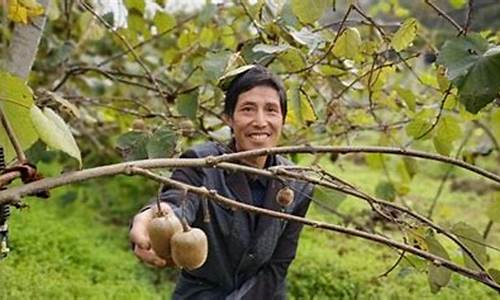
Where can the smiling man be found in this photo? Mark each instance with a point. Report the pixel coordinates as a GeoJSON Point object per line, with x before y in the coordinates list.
{"type": "Point", "coordinates": [248, 254]}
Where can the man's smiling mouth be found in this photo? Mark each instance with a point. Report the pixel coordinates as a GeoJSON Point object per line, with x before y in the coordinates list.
{"type": "Point", "coordinates": [258, 136]}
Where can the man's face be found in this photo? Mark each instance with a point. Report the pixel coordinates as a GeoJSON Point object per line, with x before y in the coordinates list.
{"type": "Point", "coordinates": [257, 119]}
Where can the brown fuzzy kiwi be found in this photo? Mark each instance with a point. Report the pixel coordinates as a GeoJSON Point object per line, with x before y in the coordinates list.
{"type": "Point", "coordinates": [138, 125]}
{"type": "Point", "coordinates": [285, 196]}
{"type": "Point", "coordinates": [186, 127]}
{"type": "Point", "coordinates": [189, 247]}
{"type": "Point", "coordinates": [161, 229]}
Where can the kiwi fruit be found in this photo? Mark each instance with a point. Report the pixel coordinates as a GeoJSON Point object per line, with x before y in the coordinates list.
{"type": "Point", "coordinates": [138, 125]}
{"type": "Point", "coordinates": [285, 196]}
{"type": "Point", "coordinates": [189, 247]}
{"type": "Point", "coordinates": [186, 127]}
{"type": "Point", "coordinates": [161, 229]}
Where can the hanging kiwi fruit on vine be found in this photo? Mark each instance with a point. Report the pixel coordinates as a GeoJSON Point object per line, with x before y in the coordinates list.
{"type": "Point", "coordinates": [161, 229]}
{"type": "Point", "coordinates": [285, 196]}
{"type": "Point", "coordinates": [189, 247]}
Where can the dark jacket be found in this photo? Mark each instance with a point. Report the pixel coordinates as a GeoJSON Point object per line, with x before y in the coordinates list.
{"type": "Point", "coordinates": [248, 254]}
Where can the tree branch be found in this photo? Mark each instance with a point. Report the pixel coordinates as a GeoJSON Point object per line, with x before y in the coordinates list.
{"type": "Point", "coordinates": [213, 195]}
{"type": "Point", "coordinates": [12, 138]}
{"type": "Point", "coordinates": [443, 14]}
{"type": "Point", "coordinates": [216, 161]}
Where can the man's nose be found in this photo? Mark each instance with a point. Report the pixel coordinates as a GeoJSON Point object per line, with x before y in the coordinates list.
{"type": "Point", "coordinates": [260, 118]}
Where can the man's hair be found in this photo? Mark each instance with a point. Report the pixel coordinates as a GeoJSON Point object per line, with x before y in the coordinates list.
{"type": "Point", "coordinates": [256, 76]}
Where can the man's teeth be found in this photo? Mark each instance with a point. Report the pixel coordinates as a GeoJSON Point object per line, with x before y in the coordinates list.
{"type": "Point", "coordinates": [259, 136]}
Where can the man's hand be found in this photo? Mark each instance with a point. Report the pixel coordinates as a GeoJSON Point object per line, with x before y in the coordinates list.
{"type": "Point", "coordinates": [140, 238]}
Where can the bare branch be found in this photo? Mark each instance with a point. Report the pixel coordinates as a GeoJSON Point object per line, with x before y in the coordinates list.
{"type": "Point", "coordinates": [443, 14]}
{"type": "Point", "coordinates": [213, 195]}
{"type": "Point", "coordinates": [12, 138]}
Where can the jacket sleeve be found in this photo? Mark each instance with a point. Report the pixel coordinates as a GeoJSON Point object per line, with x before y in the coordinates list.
{"type": "Point", "coordinates": [192, 176]}
{"type": "Point", "coordinates": [272, 276]}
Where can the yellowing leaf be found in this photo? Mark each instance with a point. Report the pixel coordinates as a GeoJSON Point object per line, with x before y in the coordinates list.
{"type": "Point", "coordinates": [308, 11]}
{"type": "Point", "coordinates": [164, 21]}
{"type": "Point", "coordinates": [447, 131]}
{"type": "Point", "coordinates": [493, 208]}
{"type": "Point", "coordinates": [22, 11]}
{"type": "Point", "coordinates": [292, 59]}
{"type": "Point", "coordinates": [416, 238]}
{"type": "Point", "coordinates": [54, 132]}
{"type": "Point", "coordinates": [348, 44]}
{"type": "Point", "coordinates": [207, 37]}
{"type": "Point", "coordinates": [16, 99]}
{"type": "Point", "coordinates": [405, 34]}
{"type": "Point", "coordinates": [301, 111]}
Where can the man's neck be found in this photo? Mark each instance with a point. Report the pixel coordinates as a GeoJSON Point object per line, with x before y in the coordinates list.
{"type": "Point", "coordinates": [256, 161]}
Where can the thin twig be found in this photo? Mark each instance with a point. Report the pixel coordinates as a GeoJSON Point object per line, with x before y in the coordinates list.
{"type": "Point", "coordinates": [21, 158]}
{"type": "Point", "coordinates": [443, 14]}
{"type": "Point", "coordinates": [446, 176]}
{"type": "Point", "coordinates": [487, 229]}
{"type": "Point", "coordinates": [325, 55]}
{"type": "Point", "coordinates": [468, 19]}
{"type": "Point", "coordinates": [401, 256]}
{"type": "Point", "coordinates": [150, 75]}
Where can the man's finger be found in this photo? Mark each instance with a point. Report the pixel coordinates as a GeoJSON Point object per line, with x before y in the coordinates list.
{"type": "Point", "coordinates": [149, 257]}
{"type": "Point", "coordinates": [139, 236]}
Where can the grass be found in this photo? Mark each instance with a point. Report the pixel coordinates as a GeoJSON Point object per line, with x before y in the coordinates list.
{"type": "Point", "coordinates": [334, 266]}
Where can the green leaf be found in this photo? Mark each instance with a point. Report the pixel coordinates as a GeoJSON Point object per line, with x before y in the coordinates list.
{"type": "Point", "coordinates": [139, 5]}
{"type": "Point", "coordinates": [447, 131]}
{"type": "Point", "coordinates": [348, 44]}
{"type": "Point", "coordinates": [132, 145]}
{"type": "Point", "coordinates": [207, 37]}
{"type": "Point", "coordinates": [16, 100]}
{"type": "Point", "coordinates": [457, 4]}
{"type": "Point", "coordinates": [89, 27]}
{"type": "Point", "coordinates": [495, 273]}
{"type": "Point", "coordinates": [474, 241]}
{"type": "Point", "coordinates": [385, 190]}
{"type": "Point", "coordinates": [187, 104]}
{"type": "Point", "coordinates": [214, 64]}
{"type": "Point", "coordinates": [14, 90]}
{"type": "Point", "coordinates": [270, 48]}
{"type": "Point", "coordinates": [161, 144]}
{"type": "Point", "coordinates": [473, 69]}
{"type": "Point", "coordinates": [308, 11]}
{"type": "Point", "coordinates": [405, 35]}
{"type": "Point", "coordinates": [307, 37]}
{"type": "Point", "coordinates": [493, 209]}
{"type": "Point", "coordinates": [54, 132]}
{"type": "Point", "coordinates": [328, 196]}
{"type": "Point", "coordinates": [300, 110]}
{"type": "Point", "coordinates": [420, 124]}
{"type": "Point", "coordinates": [292, 59]}
{"type": "Point", "coordinates": [375, 160]}
{"type": "Point", "coordinates": [438, 276]}
{"type": "Point", "coordinates": [411, 166]}
{"type": "Point", "coordinates": [207, 13]}
{"type": "Point", "coordinates": [164, 21]}
{"type": "Point", "coordinates": [408, 97]}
